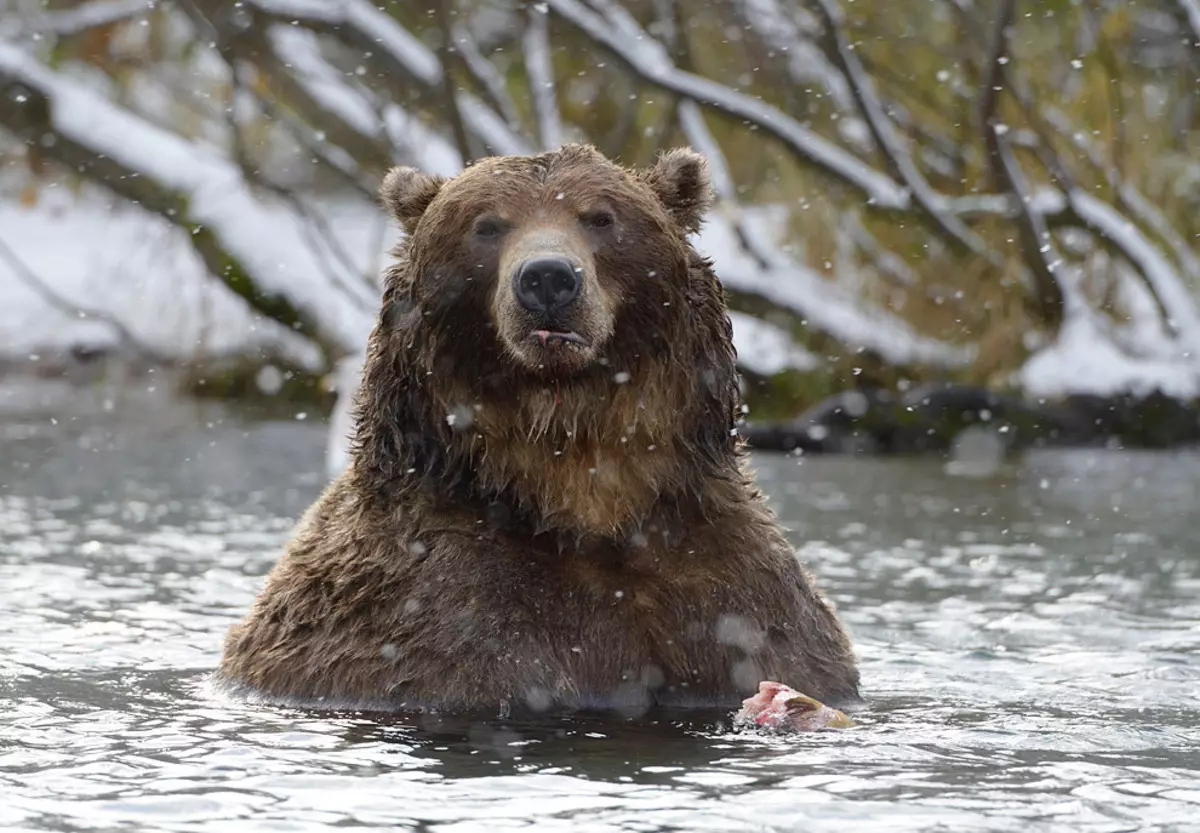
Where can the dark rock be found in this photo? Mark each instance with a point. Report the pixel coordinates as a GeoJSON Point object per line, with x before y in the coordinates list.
{"type": "Point", "coordinates": [928, 418]}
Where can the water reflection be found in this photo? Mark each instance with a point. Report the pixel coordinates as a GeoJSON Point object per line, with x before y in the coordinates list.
{"type": "Point", "coordinates": [1029, 639]}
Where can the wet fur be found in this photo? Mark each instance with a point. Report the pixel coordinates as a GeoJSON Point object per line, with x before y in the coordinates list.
{"type": "Point", "coordinates": [500, 537]}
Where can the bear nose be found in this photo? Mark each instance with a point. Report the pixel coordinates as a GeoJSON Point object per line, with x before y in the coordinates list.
{"type": "Point", "coordinates": [547, 284]}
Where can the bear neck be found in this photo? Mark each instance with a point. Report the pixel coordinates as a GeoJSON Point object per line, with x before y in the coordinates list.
{"type": "Point", "coordinates": [596, 459]}
{"type": "Point", "coordinates": [585, 459]}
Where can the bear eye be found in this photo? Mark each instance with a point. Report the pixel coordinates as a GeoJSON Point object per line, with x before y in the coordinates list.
{"type": "Point", "coordinates": [598, 219]}
{"type": "Point", "coordinates": [489, 227]}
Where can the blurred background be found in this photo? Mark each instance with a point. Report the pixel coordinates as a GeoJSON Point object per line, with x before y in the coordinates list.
{"type": "Point", "coordinates": [966, 227]}
{"type": "Point", "coordinates": [996, 195]}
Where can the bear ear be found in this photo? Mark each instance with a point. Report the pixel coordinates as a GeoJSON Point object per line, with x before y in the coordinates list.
{"type": "Point", "coordinates": [407, 192]}
{"type": "Point", "coordinates": [681, 181]}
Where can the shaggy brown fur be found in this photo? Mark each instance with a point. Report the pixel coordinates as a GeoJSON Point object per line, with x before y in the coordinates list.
{"type": "Point", "coordinates": [544, 525]}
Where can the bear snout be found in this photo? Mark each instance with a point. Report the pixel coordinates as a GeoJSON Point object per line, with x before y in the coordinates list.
{"type": "Point", "coordinates": [546, 286]}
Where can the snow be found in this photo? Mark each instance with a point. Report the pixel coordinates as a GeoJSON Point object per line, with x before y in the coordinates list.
{"type": "Point", "coordinates": [488, 125]}
{"type": "Point", "coordinates": [419, 145]}
{"type": "Point", "coordinates": [1098, 355]}
{"type": "Point", "coordinates": [115, 263]}
{"type": "Point", "coordinates": [374, 23]}
{"type": "Point", "coordinates": [767, 349]}
{"type": "Point", "coordinates": [267, 236]}
{"type": "Point", "coordinates": [1191, 8]}
{"type": "Point", "coordinates": [691, 119]}
{"type": "Point", "coordinates": [824, 304]}
{"type": "Point", "coordinates": [423, 148]}
{"type": "Point", "coordinates": [1154, 218]}
{"type": "Point", "coordinates": [1158, 272]}
{"type": "Point", "coordinates": [1084, 359]}
{"type": "Point", "coordinates": [890, 142]}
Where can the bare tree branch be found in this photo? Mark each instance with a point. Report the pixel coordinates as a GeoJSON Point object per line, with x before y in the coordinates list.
{"type": "Point", "coordinates": [992, 85]}
{"type": "Point", "coordinates": [1037, 245]}
{"type": "Point", "coordinates": [458, 127]}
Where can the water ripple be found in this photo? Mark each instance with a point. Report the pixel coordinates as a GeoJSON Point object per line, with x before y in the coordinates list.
{"type": "Point", "coordinates": [1029, 656]}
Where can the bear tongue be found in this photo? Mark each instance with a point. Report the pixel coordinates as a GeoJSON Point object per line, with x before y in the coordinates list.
{"type": "Point", "coordinates": [547, 336]}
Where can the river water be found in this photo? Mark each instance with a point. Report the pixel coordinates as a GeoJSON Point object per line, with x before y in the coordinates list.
{"type": "Point", "coordinates": [1030, 646]}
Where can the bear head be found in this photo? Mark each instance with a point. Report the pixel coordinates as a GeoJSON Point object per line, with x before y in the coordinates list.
{"type": "Point", "coordinates": [547, 318]}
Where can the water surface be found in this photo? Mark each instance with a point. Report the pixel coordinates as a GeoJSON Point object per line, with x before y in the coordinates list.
{"type": "Point", "coordinates": [1029, 646]}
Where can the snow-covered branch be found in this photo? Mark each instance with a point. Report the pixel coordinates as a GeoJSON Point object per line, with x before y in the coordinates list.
{"type": "Point", "coordinates": [1117, 230]}
{"type": "Point", "coordinates": [896, 156]}
{"type": "Point", "coordinates": [486, 76]}
{"type": "Point", "coordinates": [1037, 246]}
{"type": "Point", "coordinates": [1191, 13]}
{"type": "Point", "coordinates": [77, 19]}
{"type": "Point", "coordinates": [993, 84]}
{"type": "Point", "coordinates": [538, 67]}
{"type": "Point", "coordinates": [257, 248]}
{"type": "Point", "coordinates": [393, 53]}
{"type": "Point", "coordinates": [646, 57]}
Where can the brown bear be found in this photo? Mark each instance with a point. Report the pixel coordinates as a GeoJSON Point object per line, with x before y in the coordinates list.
{"type": "Point", "coordinates": [547, 503]}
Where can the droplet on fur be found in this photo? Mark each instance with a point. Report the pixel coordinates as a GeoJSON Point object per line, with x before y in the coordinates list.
{"type": "Point", "coordinates": [575, 649]}
{"type": "Point", "coordinates": [461, 417]}
{"type": "Point", "coordinates": [638, 539]}
{"type": "Point", "coordinates": [560, 195]}
{"type": "Point", "coordinates": [740, 632]}
{"type": "Point", "coordinates": [745, 674]}
{"type": "Point", "coordinates": [416, 548]}
{"type": "Point", "coordinates": [622, 377]}
{"type": "Point", "coordinates": [538, 699]}
{"type": "Point", "coordinates": [652, 274]}
{"type": "Point", "coordinates": [389, 651]}
{"type": "Point", "coordinates": [620, 594]}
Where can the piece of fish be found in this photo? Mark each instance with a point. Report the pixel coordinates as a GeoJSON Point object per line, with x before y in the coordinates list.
{"type": "Point", "coordinates": [780, 708]}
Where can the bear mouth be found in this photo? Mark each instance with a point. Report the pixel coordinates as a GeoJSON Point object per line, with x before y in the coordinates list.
{"type": "Point", "coordinates": [548, 338]}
